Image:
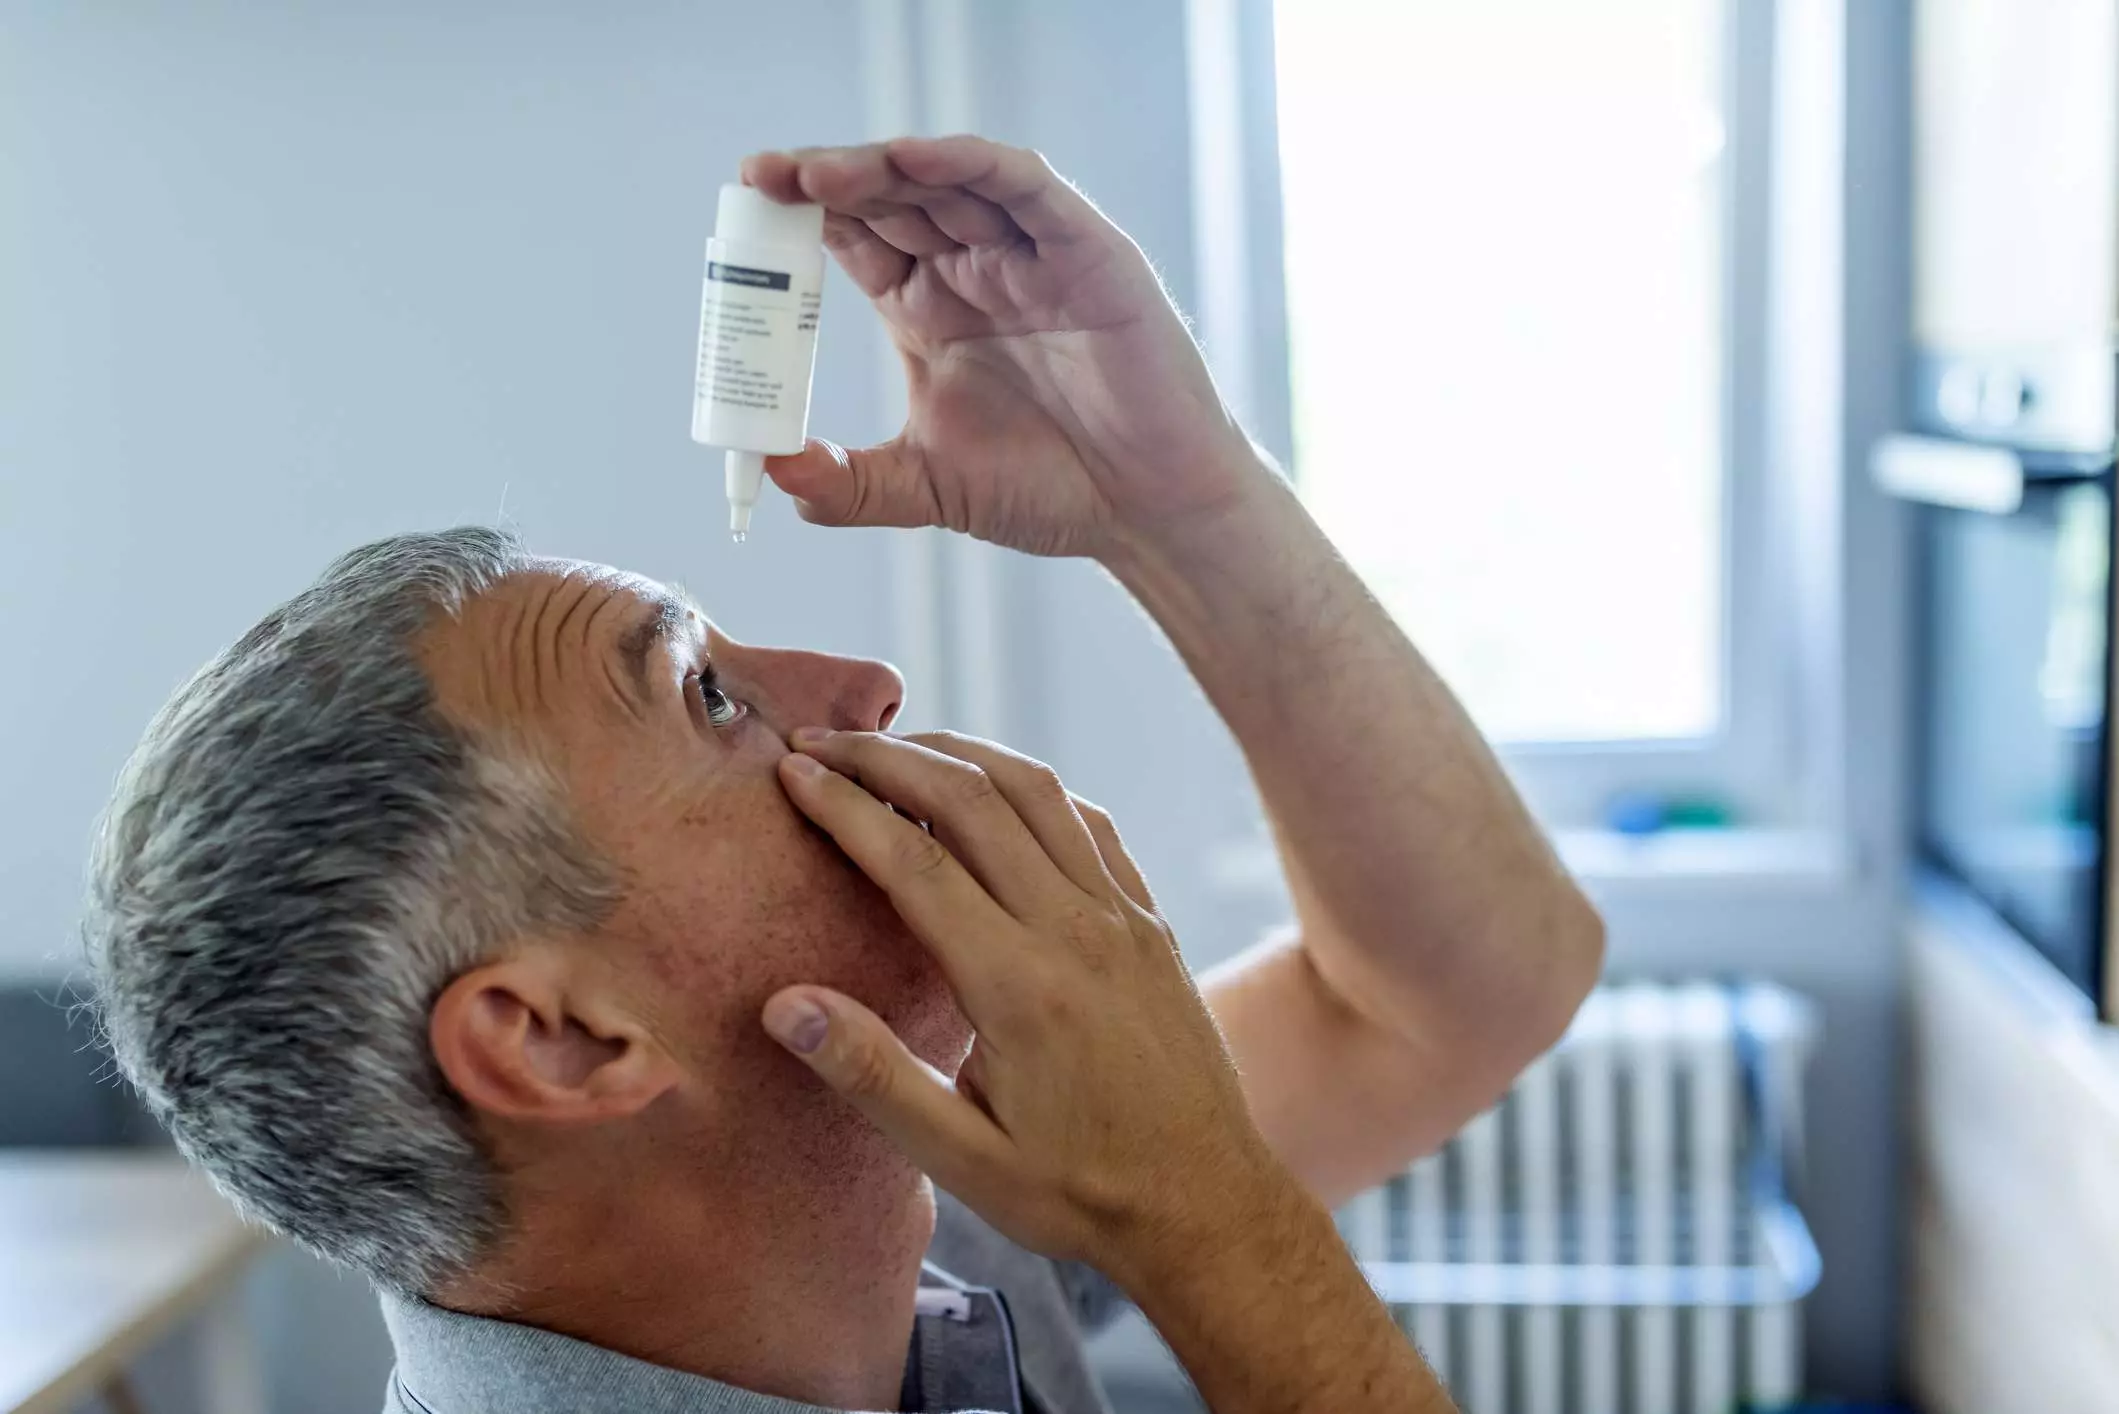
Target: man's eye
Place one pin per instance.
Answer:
(721, 709)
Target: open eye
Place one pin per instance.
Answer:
(721, 709)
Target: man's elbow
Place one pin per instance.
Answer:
(1573, 933)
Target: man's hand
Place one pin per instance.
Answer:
(1058, 403)
(1098, 1116)
(1097, 1113)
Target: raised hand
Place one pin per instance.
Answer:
(1058, 402)
(1097, 1097)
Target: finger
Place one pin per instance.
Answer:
(1116, 857)
(874, 262)
(859, 183)
(871, 262)
(965, 218)
(909, 229)
(957, 920)
(833, 485)
(1020, 182)
(775, 174)
(1044, 804)
(864, 182)
(847, 178)
(850, 188)
(966, 809)
(863, 1061)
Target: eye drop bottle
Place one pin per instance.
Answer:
(757, 337)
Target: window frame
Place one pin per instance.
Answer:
(1752, 762)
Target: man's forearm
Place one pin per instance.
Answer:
(1425, 892)
(1269, 1315)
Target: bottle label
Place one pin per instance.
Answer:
(745, 275)
(757, 330)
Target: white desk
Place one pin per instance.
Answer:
(103, 1253)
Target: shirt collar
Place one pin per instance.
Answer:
(448, 1362)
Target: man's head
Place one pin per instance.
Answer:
(465, 871)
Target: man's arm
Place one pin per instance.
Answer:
(1440, 945)
(1060, 406)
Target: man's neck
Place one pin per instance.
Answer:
(789, 1271)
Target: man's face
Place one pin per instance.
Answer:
(665, 734)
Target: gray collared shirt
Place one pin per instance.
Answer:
(1017, 1352)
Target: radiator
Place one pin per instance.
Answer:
(1617, 1235)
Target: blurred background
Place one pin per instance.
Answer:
(1720, 391)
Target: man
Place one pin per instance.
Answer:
(489, 923)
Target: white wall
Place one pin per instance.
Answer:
(280, 278)
(275, 279)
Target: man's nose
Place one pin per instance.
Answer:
(821, 689)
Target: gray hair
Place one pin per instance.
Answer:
(298, 858)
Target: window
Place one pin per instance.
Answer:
(1507, 233)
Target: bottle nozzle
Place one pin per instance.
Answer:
(745, 476)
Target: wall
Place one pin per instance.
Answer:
(279, 279)
(296, 277)
(2012, 1229)
(275, 279)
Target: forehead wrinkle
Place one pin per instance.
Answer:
(623, 662)
(580, 606)
(530, 667)
(485, 664)
(524, 675)
(495, 658)
(575, 598)
(635, 643)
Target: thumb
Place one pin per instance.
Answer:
(880, 485)
(853, 1052)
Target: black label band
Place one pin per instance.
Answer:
(745, 275)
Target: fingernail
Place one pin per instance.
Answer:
(808, 767)
(798, 1024)
(811, 736)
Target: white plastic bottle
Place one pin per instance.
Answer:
(757, 337)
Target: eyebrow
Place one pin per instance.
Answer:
(656, 628)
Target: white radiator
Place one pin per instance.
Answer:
(1616, 1237)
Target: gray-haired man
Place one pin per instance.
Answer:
(489, 922)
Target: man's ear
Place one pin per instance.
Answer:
(528, 1038)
